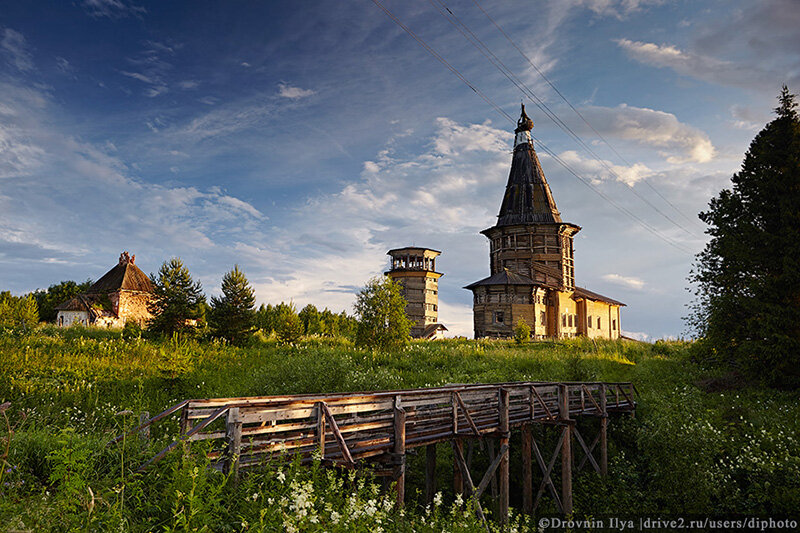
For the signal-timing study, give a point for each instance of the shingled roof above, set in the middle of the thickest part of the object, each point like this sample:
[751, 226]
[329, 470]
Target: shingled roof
[580, 292]
[124, 276]
[527, 199]
[506, 277]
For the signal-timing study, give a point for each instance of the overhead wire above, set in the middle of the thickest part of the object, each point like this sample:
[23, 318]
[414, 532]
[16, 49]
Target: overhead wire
[542, 105]
[577, 112]
[546, 149]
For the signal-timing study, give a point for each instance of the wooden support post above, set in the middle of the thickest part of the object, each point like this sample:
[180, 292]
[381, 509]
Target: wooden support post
[430, 472]
[186, 425]
[400, 451]
[490, 447]
[603, 432]
[527, 469]
[458, 479]
[233, 433]
[320, 430]
[505, 433]
[566, 449]
[144, 433]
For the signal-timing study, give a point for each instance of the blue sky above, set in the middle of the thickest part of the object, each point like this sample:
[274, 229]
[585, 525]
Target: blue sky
[302, 140]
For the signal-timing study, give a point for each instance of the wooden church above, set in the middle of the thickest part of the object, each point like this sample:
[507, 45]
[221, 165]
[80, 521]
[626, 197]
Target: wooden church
[532, 263]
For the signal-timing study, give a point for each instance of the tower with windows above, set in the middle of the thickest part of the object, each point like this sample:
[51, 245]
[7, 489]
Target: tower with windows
[415, 269]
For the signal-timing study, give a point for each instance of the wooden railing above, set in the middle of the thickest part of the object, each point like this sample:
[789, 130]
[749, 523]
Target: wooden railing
[349, 427]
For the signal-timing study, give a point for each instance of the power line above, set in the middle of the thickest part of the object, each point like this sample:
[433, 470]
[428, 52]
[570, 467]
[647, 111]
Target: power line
[497, 108]
[527, 91]
[580, 115]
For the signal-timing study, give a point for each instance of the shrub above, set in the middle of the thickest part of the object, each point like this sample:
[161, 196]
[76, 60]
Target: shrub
[522, 332]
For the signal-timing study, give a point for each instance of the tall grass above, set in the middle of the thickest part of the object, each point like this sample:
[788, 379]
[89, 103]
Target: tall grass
[687, 450]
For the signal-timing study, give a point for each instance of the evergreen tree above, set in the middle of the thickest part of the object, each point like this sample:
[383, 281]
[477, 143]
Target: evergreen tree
[232, 316]
[265, 318]
[288, 327]
[310, 317]
[178, 304]
[381, 311]
[522, 332]
[747, 309]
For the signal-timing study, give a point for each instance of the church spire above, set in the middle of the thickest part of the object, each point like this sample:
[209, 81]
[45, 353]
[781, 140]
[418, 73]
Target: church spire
[528, 199]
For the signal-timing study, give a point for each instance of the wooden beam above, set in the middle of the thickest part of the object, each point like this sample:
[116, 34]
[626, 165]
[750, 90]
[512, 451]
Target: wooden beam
[505, 432]
[543, 404]
[430, 473]
[400, 451]
[233, 431]
[489, 476]
[586, 450]
[471, 422]
[603, 431]
[320, 430]
[527, 469]
[546, 477]
[566, 449]
[462, 465]
[348, 459]
[458, 479]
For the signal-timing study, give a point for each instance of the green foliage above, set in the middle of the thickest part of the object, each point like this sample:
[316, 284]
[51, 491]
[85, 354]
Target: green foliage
[18, 312]
[288, 327]
[55, 295]
[233, 316]
[381, 311]
[748, 299]
[132, 330]
[522, 332]
[178, 304]
[691, 448]
[311, 319]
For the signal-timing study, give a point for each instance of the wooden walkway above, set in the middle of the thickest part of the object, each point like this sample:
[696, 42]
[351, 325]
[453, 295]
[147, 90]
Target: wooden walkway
[378, 428]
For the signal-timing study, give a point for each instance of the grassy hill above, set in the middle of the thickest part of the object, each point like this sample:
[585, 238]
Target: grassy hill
[699, 443]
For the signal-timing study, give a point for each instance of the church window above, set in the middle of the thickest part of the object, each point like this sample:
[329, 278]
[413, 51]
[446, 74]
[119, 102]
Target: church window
[564, 320]
[598, 323]
[499, 317]
[542, 318]
[590, 320]
[570, 320]
[614, 325]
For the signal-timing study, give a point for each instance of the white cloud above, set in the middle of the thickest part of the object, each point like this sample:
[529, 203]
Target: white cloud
[625, 281]
[679, 142]
[602, 169]
[16, 51]
[294, 93]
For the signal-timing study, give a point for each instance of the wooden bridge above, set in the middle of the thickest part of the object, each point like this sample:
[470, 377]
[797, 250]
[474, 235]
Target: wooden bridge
[378, 428]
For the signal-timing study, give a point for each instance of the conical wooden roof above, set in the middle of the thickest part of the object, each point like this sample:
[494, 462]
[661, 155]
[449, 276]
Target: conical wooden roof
[527, 199]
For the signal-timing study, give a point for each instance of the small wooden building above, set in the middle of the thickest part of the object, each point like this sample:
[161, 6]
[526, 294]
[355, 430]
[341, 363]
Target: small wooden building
[531, 259]
[415, 269]
[121, 295]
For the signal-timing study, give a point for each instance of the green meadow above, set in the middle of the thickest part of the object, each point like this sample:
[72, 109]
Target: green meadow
[700, 442]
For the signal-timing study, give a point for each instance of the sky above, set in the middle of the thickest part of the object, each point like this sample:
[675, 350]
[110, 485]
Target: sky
[303, 140]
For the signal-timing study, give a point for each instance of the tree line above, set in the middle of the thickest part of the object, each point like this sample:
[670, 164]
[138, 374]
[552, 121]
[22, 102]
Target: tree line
[179, 307]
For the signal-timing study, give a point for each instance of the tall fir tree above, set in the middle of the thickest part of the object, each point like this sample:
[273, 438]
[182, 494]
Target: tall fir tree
[178, 304]
[747, 309]
[381, 311]
[233, 315]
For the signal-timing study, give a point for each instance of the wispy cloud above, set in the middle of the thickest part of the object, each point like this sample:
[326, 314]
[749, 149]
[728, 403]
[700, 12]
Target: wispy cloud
[113, 9]
[294, 93]
[16, 50]
[625, 281]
